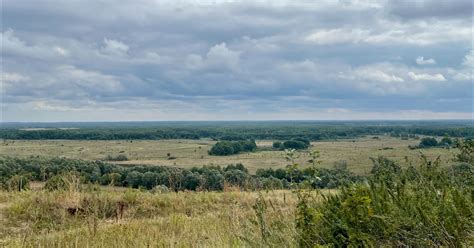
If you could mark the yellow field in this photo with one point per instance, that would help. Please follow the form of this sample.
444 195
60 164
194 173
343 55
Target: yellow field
190 153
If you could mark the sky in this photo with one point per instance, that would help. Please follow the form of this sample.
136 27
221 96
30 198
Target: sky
144 60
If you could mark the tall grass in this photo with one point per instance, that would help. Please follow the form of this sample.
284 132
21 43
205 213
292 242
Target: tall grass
185 219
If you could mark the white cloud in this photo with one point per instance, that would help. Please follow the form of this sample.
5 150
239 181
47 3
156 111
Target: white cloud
11 44
61 51
438 77
92 82
221 55
338 36
13 77
422 61
469 60
114 47
388 32
465 73
377 75
11 80
218 57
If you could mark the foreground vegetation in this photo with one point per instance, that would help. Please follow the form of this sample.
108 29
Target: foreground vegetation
422 206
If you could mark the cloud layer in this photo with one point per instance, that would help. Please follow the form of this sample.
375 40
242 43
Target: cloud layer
234 60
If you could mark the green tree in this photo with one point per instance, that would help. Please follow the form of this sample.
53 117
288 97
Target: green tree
428 142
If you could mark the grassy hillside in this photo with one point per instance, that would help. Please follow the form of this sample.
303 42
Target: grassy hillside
186 219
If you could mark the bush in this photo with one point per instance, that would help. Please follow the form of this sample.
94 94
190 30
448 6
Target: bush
277 145
446 141
64 181
466 151
236 177
120 157
17 183
56 182
159 189
295 144
225 148
417 207
428 142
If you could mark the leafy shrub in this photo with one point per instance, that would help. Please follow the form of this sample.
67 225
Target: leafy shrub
277 145
295 144
466 148
446 141
120 157
56 182
428 142
416 207
160 189
17 183
236 177
225 148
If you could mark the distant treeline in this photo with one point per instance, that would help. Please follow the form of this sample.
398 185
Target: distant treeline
239 132
16 172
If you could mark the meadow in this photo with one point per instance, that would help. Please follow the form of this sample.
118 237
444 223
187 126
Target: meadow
379 190
186 153
38 218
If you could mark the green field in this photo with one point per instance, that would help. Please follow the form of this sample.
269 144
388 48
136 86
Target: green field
191 153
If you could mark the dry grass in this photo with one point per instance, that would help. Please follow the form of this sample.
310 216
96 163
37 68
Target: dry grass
184 219
190 153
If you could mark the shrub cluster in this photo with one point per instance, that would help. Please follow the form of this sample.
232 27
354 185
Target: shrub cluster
15 173
225 148
429 142
297 144
319 178
424 206
120 157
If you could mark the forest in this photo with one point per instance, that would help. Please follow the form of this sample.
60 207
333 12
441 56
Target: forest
234 130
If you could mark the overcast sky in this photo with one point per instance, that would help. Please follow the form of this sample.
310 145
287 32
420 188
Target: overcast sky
133 60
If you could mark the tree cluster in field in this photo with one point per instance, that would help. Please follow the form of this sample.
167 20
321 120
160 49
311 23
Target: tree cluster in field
242 131
429 142
297 144
16 173
225 148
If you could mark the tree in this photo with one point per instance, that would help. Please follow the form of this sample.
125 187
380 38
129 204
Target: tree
295 144
192 181
446 141
428 142
277 145
224 148
134 179
235 177
149 179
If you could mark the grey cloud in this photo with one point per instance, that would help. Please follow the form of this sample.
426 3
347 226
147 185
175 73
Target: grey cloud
416 9
231 57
